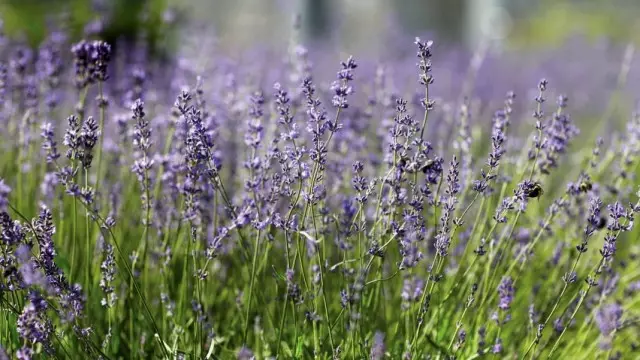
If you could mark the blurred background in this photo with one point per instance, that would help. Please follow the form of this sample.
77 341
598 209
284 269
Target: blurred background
368 24
587 48
360 25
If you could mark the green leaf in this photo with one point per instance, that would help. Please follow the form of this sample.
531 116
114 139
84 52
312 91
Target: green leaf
300 347
286 349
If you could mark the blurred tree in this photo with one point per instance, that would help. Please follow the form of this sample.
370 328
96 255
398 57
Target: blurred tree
445 18
316 18
29 18
111 20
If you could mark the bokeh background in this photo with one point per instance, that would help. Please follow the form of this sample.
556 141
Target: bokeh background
576 44
356 24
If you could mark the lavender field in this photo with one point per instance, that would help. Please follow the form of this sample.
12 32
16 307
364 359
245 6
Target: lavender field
433 203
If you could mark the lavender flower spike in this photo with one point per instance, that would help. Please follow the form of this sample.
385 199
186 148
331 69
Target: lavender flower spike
4 195
505 290
341 86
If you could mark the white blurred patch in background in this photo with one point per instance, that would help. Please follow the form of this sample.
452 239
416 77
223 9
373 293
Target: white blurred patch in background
354 24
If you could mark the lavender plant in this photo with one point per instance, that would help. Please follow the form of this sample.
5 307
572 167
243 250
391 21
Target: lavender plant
233 212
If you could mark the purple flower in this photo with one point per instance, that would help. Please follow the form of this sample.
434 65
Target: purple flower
505 293
316 122
143 162
31 93
558 327
4 195
4 76
66 176
3 354
253 136
453 181
45 229
283 107
81 62
108 272
506 205
33 324
378 347
616 212
81 143
443 238
142 132
72 137
559 134
245 354
482 336
91 60
497 140
341 87
594 217
609 318
50 67
556 133
49 145
409 249
462 337
31 275
24 353
138 78
12 231
70 296
497 347
20 60
89 133
198 146
424 54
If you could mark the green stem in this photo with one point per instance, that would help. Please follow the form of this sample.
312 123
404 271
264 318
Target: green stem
74 225
253 278
88 241
101 139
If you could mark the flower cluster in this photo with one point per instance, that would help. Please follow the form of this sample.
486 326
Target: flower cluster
90 59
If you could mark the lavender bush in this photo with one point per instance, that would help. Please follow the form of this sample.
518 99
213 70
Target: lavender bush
272 209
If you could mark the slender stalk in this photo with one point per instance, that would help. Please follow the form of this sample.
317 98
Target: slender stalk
74 226
89 244
102 131
253 279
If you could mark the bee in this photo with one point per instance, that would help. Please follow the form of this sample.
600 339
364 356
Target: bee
602 222
534 190
585 186
428 164
402 162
